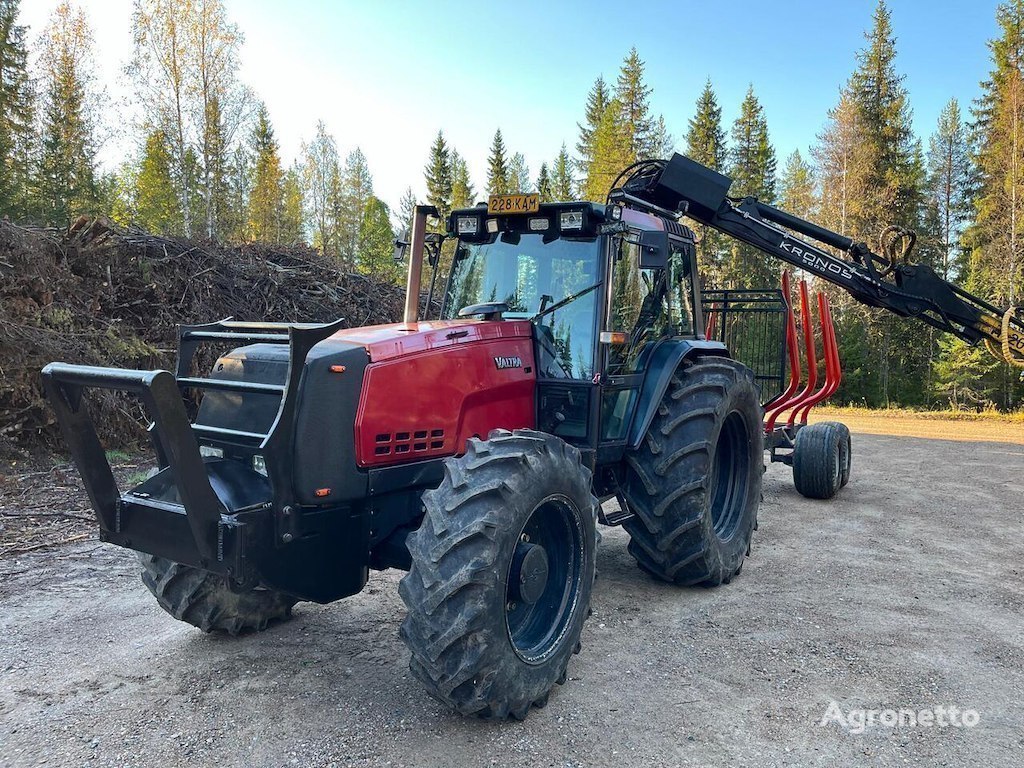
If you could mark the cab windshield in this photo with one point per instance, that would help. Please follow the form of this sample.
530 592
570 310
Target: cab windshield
532 276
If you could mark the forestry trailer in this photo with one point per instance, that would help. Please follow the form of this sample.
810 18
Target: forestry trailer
573 359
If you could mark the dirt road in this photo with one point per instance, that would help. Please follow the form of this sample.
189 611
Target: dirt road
905 592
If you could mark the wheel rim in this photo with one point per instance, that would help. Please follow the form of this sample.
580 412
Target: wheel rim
730 476
544 579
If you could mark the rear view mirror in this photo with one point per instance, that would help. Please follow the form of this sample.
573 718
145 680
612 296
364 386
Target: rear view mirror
653 249
400 248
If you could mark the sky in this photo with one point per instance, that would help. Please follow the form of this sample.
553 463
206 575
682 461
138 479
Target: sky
385 76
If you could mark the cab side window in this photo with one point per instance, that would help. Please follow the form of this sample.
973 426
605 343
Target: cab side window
681 290
643 307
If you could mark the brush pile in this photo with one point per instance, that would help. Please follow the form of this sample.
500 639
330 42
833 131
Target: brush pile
103 295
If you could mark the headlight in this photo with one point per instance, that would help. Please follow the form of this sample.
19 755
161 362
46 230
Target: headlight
467 225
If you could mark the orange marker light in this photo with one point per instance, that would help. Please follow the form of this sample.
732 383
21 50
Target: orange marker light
321 492
337 369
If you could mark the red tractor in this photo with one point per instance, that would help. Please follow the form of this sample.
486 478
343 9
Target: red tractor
569 364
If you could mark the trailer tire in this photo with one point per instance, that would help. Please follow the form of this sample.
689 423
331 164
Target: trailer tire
819 455
846 455
501 576
694 483
206 600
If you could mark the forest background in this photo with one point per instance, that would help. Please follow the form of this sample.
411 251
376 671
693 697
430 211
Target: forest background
206 165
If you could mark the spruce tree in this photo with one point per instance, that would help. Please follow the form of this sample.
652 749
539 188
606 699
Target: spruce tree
797 192
462 187
157 207
376 242
612 154
406 211
438 173
705 139
632 95
597 103
543 185
705 143
949 184
892 189
17 111
872 176
67 178
117 196
238 188
498 179
752 156
518 174
893 175
354 191
563 185
752 168
995 239
662 143
292 215
266 201
220 210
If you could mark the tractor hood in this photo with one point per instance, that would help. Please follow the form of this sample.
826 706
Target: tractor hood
386 342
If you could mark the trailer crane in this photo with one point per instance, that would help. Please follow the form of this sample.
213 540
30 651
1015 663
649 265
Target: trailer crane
888 280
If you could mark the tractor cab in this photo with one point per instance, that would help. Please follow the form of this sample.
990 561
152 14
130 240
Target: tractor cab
603 288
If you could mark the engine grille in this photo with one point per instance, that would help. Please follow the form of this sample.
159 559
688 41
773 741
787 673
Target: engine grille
420 441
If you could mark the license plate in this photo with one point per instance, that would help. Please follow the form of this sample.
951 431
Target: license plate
513 204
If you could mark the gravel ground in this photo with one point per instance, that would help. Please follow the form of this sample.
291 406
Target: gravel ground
904 592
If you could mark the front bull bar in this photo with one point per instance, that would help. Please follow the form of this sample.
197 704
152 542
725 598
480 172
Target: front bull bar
173 440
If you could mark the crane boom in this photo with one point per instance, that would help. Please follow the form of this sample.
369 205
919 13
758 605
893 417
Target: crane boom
888 280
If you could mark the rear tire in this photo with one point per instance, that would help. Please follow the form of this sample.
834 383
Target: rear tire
694 484
206 600
501 577
820 455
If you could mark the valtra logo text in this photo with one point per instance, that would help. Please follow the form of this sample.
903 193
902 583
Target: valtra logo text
508 362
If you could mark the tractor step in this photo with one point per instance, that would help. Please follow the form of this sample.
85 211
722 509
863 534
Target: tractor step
618 517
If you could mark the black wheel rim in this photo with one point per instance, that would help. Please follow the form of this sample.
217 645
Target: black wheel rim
538 625
730 475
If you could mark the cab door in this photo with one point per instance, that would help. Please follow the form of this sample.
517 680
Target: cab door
645 307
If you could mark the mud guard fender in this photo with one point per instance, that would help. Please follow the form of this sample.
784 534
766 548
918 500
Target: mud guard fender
665 358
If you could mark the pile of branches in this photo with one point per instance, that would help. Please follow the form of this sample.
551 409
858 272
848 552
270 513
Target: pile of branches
104 295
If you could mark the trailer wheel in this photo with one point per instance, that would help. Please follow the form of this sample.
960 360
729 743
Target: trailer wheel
206 600
501 577
821 456
846 453
694 484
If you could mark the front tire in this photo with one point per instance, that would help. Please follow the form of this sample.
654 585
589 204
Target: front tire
694 484
206 600
501 577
